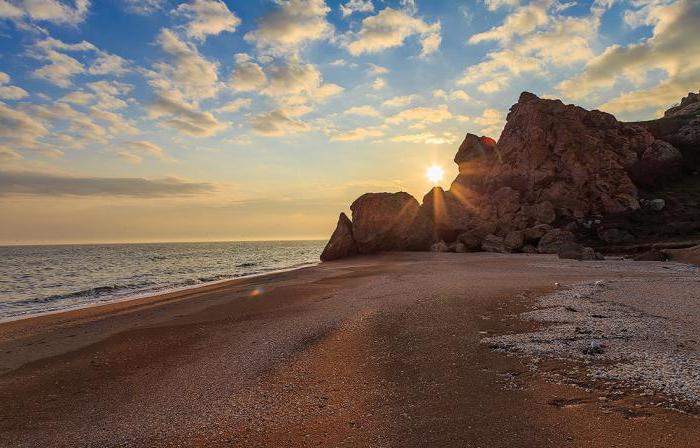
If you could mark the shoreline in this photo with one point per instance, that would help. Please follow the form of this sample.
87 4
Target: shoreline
146 295
381 350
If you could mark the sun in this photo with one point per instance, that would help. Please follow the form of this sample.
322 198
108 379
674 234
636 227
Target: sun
435 174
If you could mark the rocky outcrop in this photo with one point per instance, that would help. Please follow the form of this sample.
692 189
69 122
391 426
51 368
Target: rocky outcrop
553 178
680 126
382 221
342 243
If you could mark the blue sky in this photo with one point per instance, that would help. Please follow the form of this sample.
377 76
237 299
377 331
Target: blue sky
166 120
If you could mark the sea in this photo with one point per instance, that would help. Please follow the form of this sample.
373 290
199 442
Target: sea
40 279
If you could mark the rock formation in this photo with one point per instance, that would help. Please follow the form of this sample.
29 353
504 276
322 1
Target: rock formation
342 244
555 175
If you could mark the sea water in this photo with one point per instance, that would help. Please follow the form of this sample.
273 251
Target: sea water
39 279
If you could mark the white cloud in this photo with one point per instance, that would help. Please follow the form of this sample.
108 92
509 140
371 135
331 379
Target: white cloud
143 7
118 125
400 101
247 75
184 117
367 111
290 26
460 95
46 10
189 73
522 21
534 39
277 123
107 93
390 28
78 97
426 138
20 128
422 115
137 149
10 92
672 48
299 80
377 69
353 6
235 105
109 64
207 18
356 134
379 84
61 67
492 121
493 5
8 155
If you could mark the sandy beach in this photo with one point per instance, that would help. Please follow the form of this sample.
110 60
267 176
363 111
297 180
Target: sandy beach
399 349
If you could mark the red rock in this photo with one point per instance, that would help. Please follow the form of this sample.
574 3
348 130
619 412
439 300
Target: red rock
341 244
381 221
554 240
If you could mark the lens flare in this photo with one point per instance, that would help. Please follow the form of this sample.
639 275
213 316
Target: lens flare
435 174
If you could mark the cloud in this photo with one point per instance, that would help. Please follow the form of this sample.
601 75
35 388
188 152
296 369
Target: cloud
20 128
367 111
137 149
235 105
356 134
493 5
46 10
426 138
379 84
522 21
400 101
143 7
421 114
10 92
377 69
277 123
188 72
534 39
247 75
207 18
353 6
78 97
27 183
294 78
118 124
109 64
108 93
672 48
460 95
184 117
61 67
8 155
290 26
390 28
492 121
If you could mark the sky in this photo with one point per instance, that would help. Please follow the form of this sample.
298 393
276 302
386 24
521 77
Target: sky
209 120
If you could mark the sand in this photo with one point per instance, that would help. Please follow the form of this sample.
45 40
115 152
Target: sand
371 351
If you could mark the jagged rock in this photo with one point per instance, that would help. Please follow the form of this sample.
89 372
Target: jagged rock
514 241
458 247
689 105
382 221
493 243
660 162
449 215
440 246
553 240
541 213
341 244
473 148
574 251
615 236
536 232
574 158
529 249
471 241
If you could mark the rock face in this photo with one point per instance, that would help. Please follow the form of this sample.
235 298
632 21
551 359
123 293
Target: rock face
555 176
381 221
342 243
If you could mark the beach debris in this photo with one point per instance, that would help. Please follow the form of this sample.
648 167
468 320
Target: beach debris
595 348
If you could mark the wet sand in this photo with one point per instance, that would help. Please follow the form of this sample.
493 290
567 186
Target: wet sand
371 351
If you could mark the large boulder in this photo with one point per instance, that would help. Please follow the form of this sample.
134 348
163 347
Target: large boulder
382 221
554 240
341 244
449 215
